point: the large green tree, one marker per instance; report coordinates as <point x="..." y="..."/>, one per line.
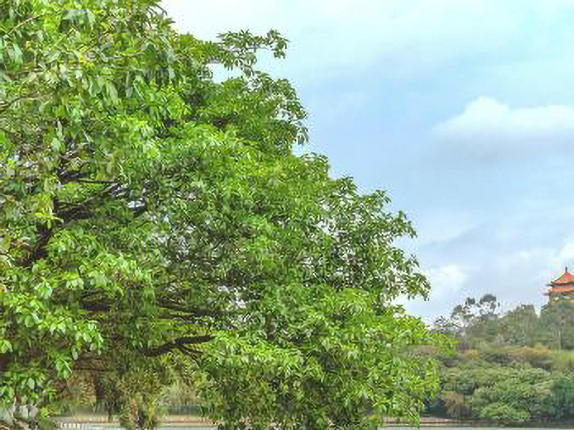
<point x="156" y="222"/>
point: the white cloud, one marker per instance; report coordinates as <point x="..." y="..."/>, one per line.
<point x="446" y="280"/>
<point x="448" y="285"/>
<point x="490" y="129"/>
<point x="563" y="257"/>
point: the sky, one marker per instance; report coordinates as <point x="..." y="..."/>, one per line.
<point x="463" y="110"/>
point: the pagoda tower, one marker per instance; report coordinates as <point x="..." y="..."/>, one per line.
<point x="562" y="287"/>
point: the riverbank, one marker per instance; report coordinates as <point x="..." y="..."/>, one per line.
<point x="90" y="422"/>
<point x="79" y="422"/>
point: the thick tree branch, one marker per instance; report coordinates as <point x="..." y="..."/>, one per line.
<point x="196" y="312"/>
<point x="92" y="181"/>
<point x="178" y="344"/>
<point x="40" y="248"/>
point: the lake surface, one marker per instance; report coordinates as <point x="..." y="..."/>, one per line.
<point x="92" y="426"/>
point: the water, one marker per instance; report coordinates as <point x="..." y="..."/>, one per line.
<point x="86" y="426"/>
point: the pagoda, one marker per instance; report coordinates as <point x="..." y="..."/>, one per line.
<point x="562" y="287"/>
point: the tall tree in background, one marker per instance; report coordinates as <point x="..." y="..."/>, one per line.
<point x="156" y="224"/>
<point x="557" y="318"/>
<point x="521" y="326"/>
<point x="473" y="321"/>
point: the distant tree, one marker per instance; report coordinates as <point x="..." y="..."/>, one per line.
<point x="557" y="323"/>
<point x="521" y="326"/>
<point x="472" y="322"/>
<point x="510" y="367"/>
<point x="446" y="326"/>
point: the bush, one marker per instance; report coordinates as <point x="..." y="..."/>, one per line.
<point x="563" y="361"/>
<point x="529" y="396"/>
<point x="560" y="403"/>
<point x="539" y="356"/>
<point x="495" y="354"/>
<point x="504" y="413"/>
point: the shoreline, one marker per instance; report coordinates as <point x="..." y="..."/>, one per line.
<point x="193" y="421"/>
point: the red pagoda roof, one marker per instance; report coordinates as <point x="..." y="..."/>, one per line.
<point x="565" y="280"/>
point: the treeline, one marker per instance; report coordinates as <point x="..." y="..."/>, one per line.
<point x="510" y="367"/>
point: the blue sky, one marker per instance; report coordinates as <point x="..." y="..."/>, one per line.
<point x="462" y="110"/>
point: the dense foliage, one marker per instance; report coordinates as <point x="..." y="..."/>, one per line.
<point x="509" y="367"/>
<point x="156" y="226"/>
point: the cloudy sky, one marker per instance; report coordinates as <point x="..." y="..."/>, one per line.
<point x="462" y="109"/>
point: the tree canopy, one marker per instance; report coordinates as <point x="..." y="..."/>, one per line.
<point x="156" y="223"/>
<point x="510" y="367"/>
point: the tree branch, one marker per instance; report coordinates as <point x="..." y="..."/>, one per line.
<point x="92" y="181"/>
<point x="179" y="344"/>
<point x="196" y="312"/>
<point x="4" y="106"/>
<point x="39" y="251"/>
<point x="23" y="23"/>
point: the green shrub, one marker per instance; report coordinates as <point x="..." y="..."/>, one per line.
<point x="504" y="413"/>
